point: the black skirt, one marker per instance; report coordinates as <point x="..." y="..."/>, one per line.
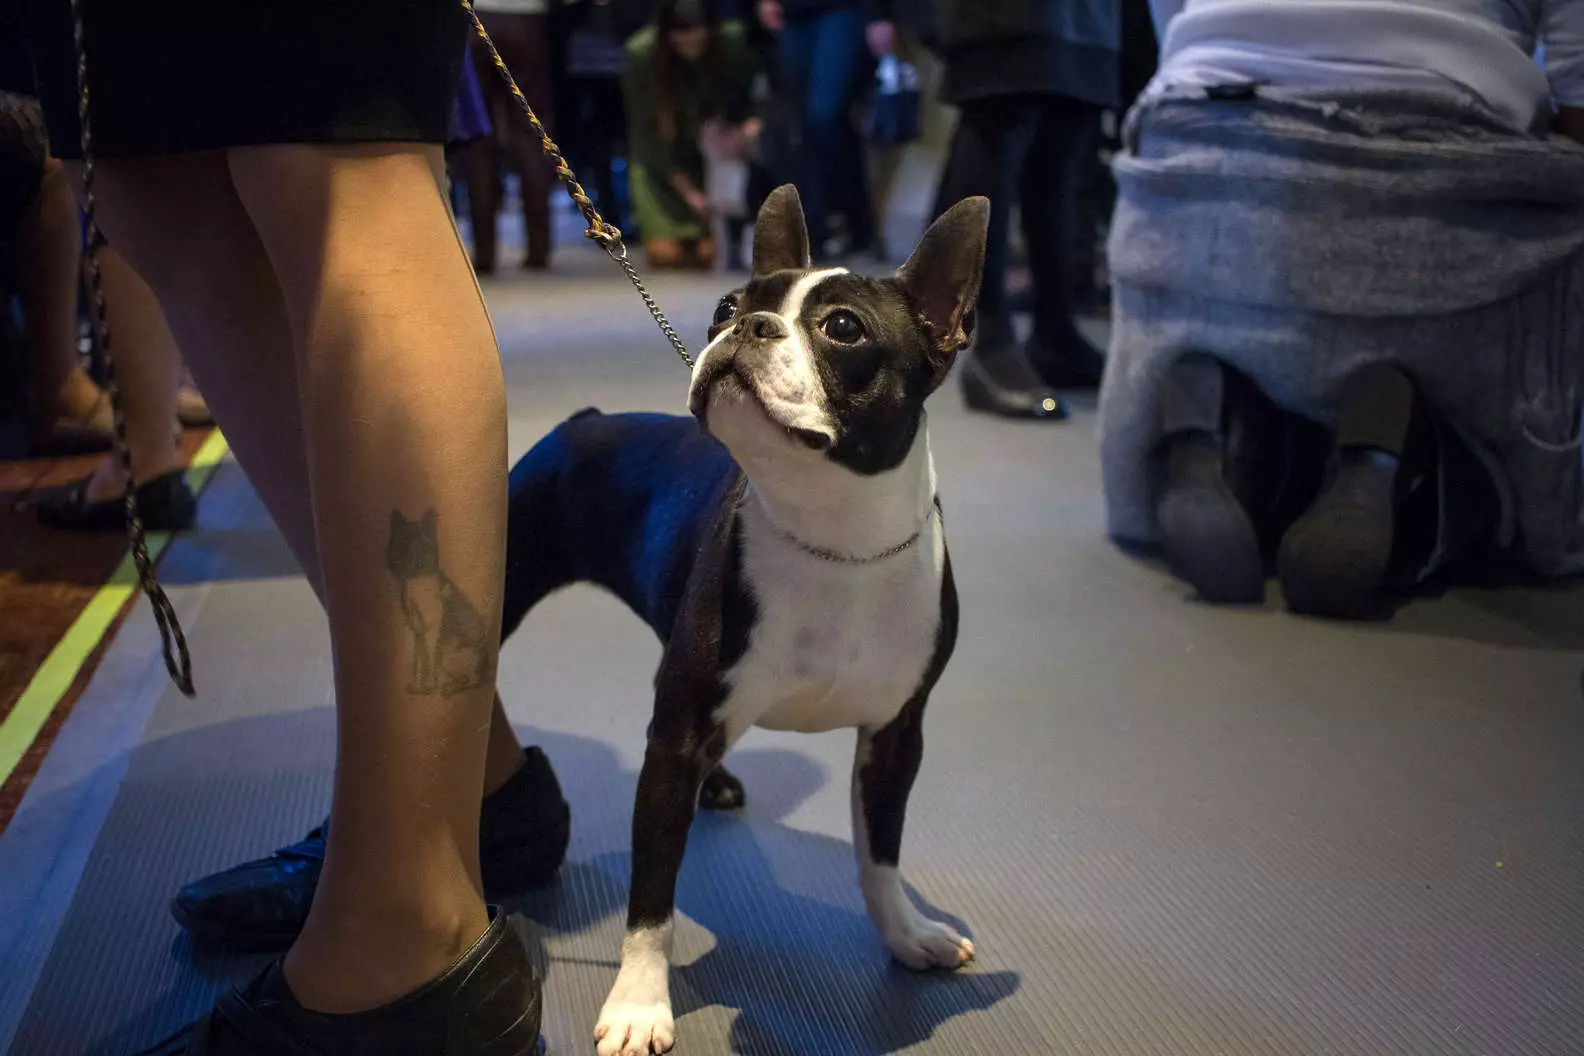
<point x="174" y="76"/>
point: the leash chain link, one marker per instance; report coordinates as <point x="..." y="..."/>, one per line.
<point x="173" y="643"/>
<point x="607" y="235"/>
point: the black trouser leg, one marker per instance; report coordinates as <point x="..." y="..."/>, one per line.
<point x="987" y="158"/>
<point x="483" y="184"/>
<point x="1048" y="199"/>
<point x="987" y="155"/>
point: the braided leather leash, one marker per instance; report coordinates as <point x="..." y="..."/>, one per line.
<point x="173" y="643"/>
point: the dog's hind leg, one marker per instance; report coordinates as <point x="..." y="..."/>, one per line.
<point x="883" y="772"/>
<point x="722" y="790"/>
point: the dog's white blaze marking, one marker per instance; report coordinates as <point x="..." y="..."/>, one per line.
<point x="791" y="385"/>
<point x="637" y="1014"/>
<point x="792" y="307"/>
<point x="913" y="939"/>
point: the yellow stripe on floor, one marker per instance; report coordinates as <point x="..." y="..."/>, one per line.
<point x="54" y="678"/>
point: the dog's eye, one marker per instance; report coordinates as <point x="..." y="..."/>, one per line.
<point x="725" y="311"/>
<point x="843" y="328"/>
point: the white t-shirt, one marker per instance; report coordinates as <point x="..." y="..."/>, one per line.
<point x="1480" y="48"/>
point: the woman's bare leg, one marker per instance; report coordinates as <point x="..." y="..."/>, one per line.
<point x="148" y="370"/>
<point x="165" y="214"/>
<point x="404" y="409"/>
<point x="52" y="234"/>
<point x="365" y="278"/>
<point x="248" y="372"/>
<point x="483" y="188"/>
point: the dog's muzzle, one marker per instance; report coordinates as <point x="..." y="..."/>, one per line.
<point x="749" y="333"/>
<point x="734" y="355"/>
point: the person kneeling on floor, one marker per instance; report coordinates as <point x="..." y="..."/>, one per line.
<point x="1404" y="187"/>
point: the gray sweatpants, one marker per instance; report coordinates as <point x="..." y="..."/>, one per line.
<point x="1299" y="236"/>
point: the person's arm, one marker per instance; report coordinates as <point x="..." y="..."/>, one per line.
<point x="1562" y="35"/>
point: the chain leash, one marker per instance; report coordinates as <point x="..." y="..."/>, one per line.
<point x="603" y="233"/>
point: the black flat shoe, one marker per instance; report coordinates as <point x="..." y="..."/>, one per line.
<point x="524" y="829"/>
<point x="486" y="1004"/>
<point x="165" y="503"/>
<point x="1208" y="536"/>
<point x="1002" y="383"/>
<point x="1337" y="559"/>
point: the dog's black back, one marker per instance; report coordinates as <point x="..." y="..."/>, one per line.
<point x="623" y="501"/>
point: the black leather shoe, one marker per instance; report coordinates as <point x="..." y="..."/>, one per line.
<point x="1207" y="534"/>
<point x="524" y="829"/>
<point x="486" y="1004"/>
<point x="1001" y="382"/>
<point x="165" y="503"/>
<point x="1338" y="559"/>
<point x="1236" y="471"/>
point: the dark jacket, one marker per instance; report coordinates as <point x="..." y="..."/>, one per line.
<point x="871" y="8"/>
<point x="1007" y="47"/>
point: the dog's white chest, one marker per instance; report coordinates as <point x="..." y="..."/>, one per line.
<point x="835" y="645"/>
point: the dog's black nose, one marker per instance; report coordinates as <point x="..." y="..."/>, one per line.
<point x="762" y="326"/>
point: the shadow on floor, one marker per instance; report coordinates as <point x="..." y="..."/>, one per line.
<point x="793" y="952"/>
<point x="805" y="970"/>
<point x="1503" y="608"/>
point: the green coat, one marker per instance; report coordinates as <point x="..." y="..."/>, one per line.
<point x="652" y="156"/>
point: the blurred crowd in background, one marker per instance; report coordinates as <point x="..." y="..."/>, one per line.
<point x="681" y="115"/>
<point x="678" y="116"/>
<point x="1240" y="260"/>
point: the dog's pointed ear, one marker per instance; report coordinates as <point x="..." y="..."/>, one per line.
<point x="781" y="241"/>
<point x="942" y="278"/>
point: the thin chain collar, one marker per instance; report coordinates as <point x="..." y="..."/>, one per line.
<point x="837" y="557"/>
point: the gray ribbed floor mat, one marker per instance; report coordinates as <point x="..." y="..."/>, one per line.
<point x="1171" y="830"/>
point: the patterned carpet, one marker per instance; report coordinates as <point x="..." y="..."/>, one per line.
<point x="47" y="580"/>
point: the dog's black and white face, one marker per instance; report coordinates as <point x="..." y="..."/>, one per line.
<point x="832" y="368"/>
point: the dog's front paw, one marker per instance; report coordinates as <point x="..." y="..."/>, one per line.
<point x="921" y="943"/>
<point x="634" y="1027"/>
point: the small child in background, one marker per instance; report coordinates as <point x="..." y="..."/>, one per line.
<point x="688" y="88"/>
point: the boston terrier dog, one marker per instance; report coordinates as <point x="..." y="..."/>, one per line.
<point x="786" y="545"/>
